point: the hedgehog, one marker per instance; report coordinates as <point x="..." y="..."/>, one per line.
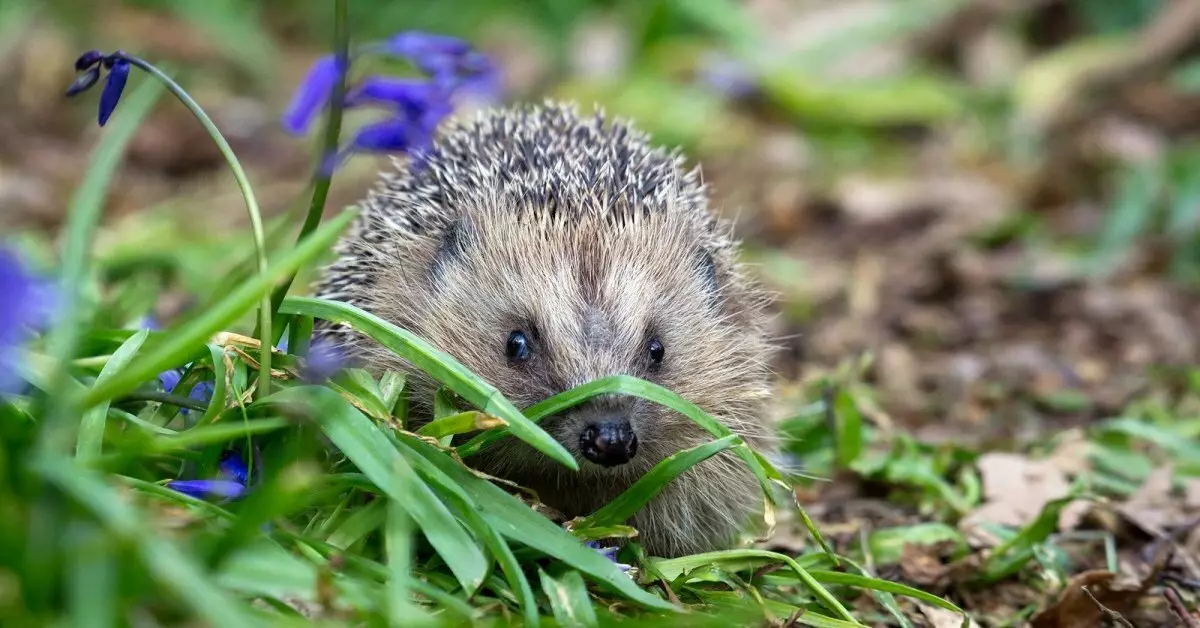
<point x="543" y="249"/>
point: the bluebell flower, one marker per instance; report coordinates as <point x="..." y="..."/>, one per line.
<point x="416" y="106"/>
<point x="231" y="481"/>
<point x="323" y="362"/>
<point x="88" y="65"/>
<point x="313" y="94"/>
<point x="202" y="392"/>
<point x="147" y="321"/>
<point x="28" y="300"/>
<point x="608" y="552"/>
<point x="727" y="75"/>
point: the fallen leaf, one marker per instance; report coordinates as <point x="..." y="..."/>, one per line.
<point x="1155" y="507"/>
<point x="942" y="618"/>
<point x="1075" y="608"/>
<point x="1016" y="489"/>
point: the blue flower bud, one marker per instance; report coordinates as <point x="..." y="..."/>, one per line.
<point x="88" y="59"/>
<point x="113" y="87"/>
<point x="201" y="489"/>
<point x="314" y="92"/>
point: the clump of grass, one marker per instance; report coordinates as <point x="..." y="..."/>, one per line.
<point x="286" y="491"/>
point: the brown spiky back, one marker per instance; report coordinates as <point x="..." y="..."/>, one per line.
<point x="543" y="160"/>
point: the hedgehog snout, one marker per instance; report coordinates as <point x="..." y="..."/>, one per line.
<point x="609" y="441"/>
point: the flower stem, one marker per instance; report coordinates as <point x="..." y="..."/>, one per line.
<point x="256" y="225"/>
<point x="329" y="145"/>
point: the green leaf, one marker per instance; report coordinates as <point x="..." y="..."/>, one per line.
<point x="568" y="599"/>
<point x="438" y="364"/>
<point x="170" y="567"/>
<point x="364" y="520"/>
<point x="513" y="519"/>
<point x="673" y="567"/>
<point x="83" y="215"/>
<point x="849" y="436"/>
<point x="627" y="385"/>
<point x="181" y="343"/>
<point x="460" y="423"/>
<point x="1008" y="558"/>
<point x="91" y="428"/>
<point x="620" y="509"/>
<point x="367" y="447"/>
<point x="887" y="545"/>
<point x="398" y="543"/>
<point x="93" y="573"/>
<point x="220" y="379"/>
<point x="217" y="433"/>
<point x="875" y="584"/>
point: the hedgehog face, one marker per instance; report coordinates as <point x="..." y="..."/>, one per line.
<point x="539" y="307"/>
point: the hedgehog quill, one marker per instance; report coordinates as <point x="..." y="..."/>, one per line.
<point x="544" y="249"/>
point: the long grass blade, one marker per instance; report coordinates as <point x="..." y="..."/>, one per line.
<point x="90" y="439"/>
<point x="182" y="342"/>
<point x="438" y="364"/>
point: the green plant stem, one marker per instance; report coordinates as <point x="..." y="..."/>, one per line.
<point x="329" y="145"/>
<point x="162" y="397"/>
<point x="256" y="225"/>
<point x="83" y="215"/>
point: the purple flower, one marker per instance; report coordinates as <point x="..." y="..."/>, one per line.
<point x="609" y="552"/>
<point x="27" y="301"/>
<point x="230" y="483"/>
<point x="202" y="392"/>
<point x="88" y="65"/>
<point x="416" y="106"/>
<point x="113" y="87"/>
<point x="313" y="94"/>
<point x="727" y="75"/>
<point x="323" y="362"/>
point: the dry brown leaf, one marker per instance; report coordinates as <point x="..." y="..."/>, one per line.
<point x="921" y="565"/>
<point x="1155" y="507"/>
<point x="941" y="618"/>
<point x="1075" y="609"/>
<point x="1016" y="489"/>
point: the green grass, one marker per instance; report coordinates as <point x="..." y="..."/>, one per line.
<point x="359" y="521"/>
<point x="349" y="514"/>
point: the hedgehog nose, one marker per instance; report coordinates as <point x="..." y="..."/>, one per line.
<point x="609" y="443"/>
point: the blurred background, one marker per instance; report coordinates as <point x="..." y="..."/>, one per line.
<point x="986" y="210"/>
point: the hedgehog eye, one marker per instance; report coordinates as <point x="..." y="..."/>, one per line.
<point x="518" y="347"/>
<point x="656" y="350"/>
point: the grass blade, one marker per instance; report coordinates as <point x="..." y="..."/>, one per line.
<point x="438" y="364"/>
<point x="568" y="599"/>
<point x="630" y="501"/>
<point x="679" y="565"/>
<point x="362" y="442"/>
<point x="398" y="544"/>
<point x="171" y="568"/>
<point x="518" y="522"/>
<point x="627" y="385"/>
<point x="90" y="439"/>
<point x="460" y="423"/>
<point x="180" y="346"/>
<point x="875" y="584"/>
<point x="82" y="217"/>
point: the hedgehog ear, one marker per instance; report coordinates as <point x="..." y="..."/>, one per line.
<point x="452" y="245"/>
<point x="706" y="269"/>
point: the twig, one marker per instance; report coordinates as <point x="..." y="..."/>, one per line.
<point x="1111" y="614"/>
<point x="1177" y="607"/>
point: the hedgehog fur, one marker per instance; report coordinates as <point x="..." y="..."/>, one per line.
<point x="591" y="241"/>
